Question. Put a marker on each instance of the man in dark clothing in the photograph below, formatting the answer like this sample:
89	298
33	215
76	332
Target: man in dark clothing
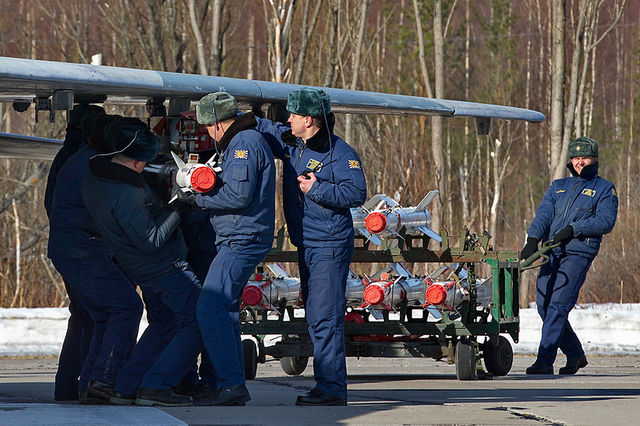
576	211
145	239
75	347
322	180
78	253
242	212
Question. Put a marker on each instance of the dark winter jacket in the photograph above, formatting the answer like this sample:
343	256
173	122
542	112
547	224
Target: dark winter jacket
72	144
243	206
142	233
587	202
322	217
73	234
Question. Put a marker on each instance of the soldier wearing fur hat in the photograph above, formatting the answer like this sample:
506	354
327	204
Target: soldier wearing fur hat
575	213
242	211
145	238
323	179
75	347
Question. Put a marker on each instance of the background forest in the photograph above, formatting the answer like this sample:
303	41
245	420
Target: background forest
576	61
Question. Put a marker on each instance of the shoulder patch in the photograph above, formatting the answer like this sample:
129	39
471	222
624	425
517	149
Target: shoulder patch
240	154
614	192
589	192
354	164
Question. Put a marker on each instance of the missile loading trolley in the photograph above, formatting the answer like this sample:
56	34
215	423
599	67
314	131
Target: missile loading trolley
461	321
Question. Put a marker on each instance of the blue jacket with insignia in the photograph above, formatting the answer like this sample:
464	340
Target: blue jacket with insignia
243	206
322	217
587	202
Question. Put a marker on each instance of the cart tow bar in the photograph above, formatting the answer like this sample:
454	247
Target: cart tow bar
546	246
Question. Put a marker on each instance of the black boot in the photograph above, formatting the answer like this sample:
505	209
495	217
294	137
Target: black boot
573	365
119	398
317	397
100	390
162	398
233	395
540	368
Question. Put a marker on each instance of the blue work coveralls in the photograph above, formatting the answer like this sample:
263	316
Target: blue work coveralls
144	236
79	254
321	227
242	212
589	204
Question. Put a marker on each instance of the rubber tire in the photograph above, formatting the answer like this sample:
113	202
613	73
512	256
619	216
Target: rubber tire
294	365
465	360
250	357
498	359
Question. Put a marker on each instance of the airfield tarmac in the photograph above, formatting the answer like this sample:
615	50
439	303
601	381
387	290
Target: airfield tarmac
382	391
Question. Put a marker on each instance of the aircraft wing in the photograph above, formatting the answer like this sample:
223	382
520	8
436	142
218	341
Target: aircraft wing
19	146
27	79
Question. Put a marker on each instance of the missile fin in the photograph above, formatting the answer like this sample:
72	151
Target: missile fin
430	233
399	269
178	161
426	201
278	270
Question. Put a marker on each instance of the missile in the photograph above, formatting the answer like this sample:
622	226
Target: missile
382	217
385	293
449	295
264	294
194	176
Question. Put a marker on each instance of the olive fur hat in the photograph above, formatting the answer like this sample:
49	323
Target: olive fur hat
309	102
215	107
137	143
583	147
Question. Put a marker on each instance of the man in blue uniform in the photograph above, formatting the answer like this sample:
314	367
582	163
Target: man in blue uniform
323	179
144	236
75	347
79	254
576	211
242	210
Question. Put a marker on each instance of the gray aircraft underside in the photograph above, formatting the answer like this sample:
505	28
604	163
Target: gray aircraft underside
24	81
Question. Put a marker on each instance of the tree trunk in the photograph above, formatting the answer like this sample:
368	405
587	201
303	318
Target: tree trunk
197	34
556	121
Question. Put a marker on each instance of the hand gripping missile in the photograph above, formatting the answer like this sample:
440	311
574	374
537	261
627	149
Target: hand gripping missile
193	177
381	217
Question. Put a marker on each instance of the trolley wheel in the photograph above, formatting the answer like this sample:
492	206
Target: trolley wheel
498	359
294	365
250	359
465	360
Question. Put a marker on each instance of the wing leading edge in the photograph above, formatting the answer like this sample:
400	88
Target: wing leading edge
26	79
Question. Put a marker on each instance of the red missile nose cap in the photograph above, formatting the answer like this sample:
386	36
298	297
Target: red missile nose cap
375	222
252	295
374	295
203	179
436	294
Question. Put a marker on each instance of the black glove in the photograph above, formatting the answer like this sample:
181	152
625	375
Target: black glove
182	201
529	248
563	234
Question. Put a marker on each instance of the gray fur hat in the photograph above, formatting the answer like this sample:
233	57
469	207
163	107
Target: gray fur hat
309	101
216	107
583	147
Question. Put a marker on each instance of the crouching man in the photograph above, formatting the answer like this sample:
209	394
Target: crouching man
145	238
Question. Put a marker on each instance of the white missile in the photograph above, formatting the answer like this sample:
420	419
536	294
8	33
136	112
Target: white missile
194	177
265	294
382	217
449	295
